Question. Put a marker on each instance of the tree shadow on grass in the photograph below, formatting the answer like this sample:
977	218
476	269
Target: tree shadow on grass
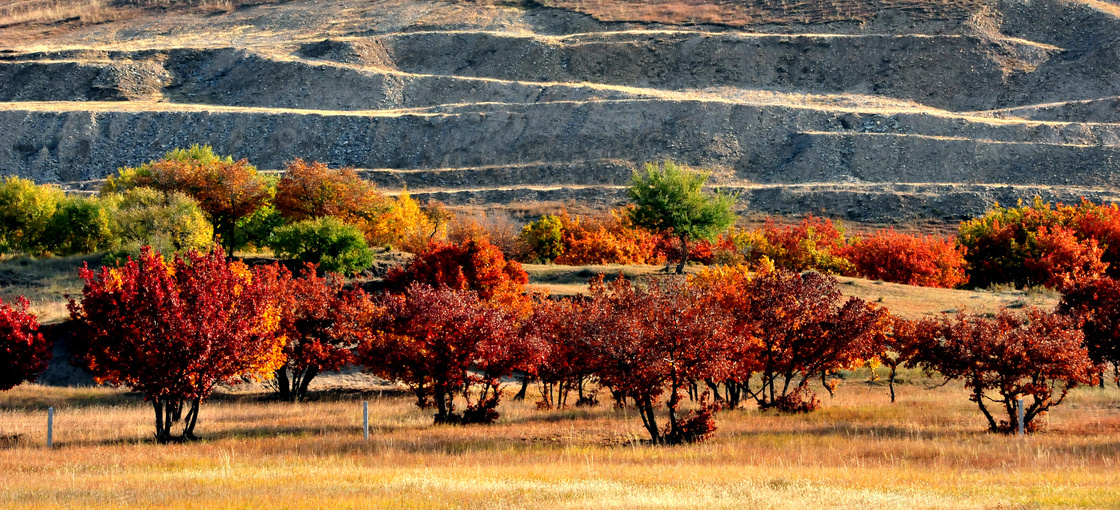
860	431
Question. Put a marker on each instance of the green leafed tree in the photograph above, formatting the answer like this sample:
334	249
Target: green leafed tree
670	198
335	246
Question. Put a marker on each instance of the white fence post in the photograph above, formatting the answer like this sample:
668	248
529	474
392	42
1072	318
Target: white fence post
1019	405
50	427
365	419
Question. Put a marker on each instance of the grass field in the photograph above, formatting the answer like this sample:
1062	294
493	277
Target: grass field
929	450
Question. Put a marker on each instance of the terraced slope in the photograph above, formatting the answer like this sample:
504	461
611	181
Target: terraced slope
901	114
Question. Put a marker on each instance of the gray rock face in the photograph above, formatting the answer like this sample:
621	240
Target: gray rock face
478	105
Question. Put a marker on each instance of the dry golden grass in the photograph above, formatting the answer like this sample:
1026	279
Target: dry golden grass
926	451
45	282
903	300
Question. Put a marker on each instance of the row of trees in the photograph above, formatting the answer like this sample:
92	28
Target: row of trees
457	322
332	216
192	197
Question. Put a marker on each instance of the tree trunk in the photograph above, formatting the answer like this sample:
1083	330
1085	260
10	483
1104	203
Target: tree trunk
645	409
978	397
192	419
309	373
684	255
890	381
734	394
283	385
524	388
163	425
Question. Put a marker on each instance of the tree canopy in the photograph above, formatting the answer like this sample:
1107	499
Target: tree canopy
670	197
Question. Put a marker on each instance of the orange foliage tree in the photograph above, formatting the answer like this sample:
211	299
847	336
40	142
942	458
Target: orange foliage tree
175	329
321	322
1059	258
313	190
474	265
441	342
23	351
612	239
1037	356
1042	244
814	243
928	261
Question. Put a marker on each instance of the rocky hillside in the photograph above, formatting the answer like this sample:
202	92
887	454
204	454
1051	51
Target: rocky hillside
898	109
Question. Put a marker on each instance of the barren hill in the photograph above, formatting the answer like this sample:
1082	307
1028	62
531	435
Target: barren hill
874	110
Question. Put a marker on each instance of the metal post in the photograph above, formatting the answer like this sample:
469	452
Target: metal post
365	419
50	427
1019	405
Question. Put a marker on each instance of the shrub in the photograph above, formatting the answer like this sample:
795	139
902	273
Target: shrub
328	242
544	239
813	244
610	239
81	225
25	353
1037	356
928	261
256	230
473	265
26	210
174	329
168	222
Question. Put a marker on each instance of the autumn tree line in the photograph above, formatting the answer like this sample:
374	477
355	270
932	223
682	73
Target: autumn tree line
763	324
458	327
332	217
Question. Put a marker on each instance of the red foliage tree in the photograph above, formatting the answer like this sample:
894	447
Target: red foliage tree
566	362
657	339
1096	305
901	344
443	341
321	322
928	261
474	265
1037	356
24	353
175	329
792	328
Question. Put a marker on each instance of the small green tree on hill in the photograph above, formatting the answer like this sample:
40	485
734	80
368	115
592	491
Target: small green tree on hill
670	198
